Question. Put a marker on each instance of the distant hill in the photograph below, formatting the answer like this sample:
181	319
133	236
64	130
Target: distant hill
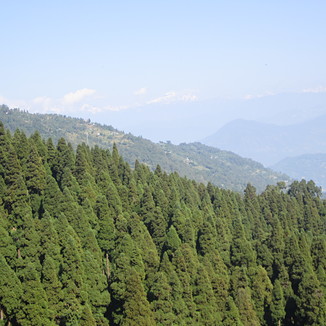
268	143
309	166
196	161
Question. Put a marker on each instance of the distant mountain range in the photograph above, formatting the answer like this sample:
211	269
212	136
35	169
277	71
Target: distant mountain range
189	121
268	143
308	166
195	161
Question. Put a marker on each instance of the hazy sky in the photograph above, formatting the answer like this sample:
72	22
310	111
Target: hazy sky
119	60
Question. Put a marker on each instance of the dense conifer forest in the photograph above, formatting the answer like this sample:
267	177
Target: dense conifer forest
87	240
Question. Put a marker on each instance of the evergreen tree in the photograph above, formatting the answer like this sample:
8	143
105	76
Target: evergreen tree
87	318
232	316
51	153
136	308
172	241
261	292
247	312
277	304
52	287
161	300
7	246
96	284
41	147
35	179
310	301
53	198
106	232
204	299
21	146
157	226
64	158
73	281
180	309
241	249
10	292
145	243
35	309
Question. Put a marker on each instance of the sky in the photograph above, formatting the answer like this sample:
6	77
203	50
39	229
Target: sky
163	69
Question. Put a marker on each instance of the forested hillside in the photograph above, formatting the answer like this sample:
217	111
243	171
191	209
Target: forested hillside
196	161
86	240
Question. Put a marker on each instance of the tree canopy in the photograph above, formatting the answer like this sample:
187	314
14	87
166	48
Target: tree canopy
85	239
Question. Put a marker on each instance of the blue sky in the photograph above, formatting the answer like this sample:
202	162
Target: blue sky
121	61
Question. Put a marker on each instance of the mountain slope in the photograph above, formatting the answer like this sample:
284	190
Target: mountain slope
196	161
309	166
269	143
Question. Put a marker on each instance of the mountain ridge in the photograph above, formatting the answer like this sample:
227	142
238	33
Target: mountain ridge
270	143
196	161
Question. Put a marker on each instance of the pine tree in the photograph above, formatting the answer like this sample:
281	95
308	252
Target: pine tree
241	249
277	304
21	146
232	316
51	153
157	226
87	318
311	301
40	145
186	266
113	165
145	243
96	283
35	179
73	281
52	202
206	242
106	232
219	279
172	242
10	292
136	308
246	309
7	246
52	287
180	309
261	291
17	194
161	300
204	299
64	158
35	309
4	149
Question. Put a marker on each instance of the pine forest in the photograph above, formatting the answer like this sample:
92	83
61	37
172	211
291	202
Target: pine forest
86	239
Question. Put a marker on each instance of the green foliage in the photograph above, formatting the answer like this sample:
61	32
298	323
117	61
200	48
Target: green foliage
136	308
86	240
35	308
248	314
161	297
87	318
277	304
311	301
10	290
